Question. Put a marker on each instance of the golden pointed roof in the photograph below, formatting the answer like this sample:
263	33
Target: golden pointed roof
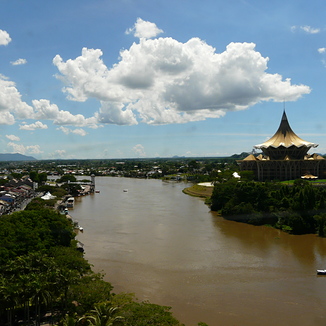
285	137
250	157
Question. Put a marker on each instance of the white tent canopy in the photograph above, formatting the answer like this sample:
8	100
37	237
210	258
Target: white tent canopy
48	196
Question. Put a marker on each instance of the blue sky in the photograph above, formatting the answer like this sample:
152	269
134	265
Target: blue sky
123	78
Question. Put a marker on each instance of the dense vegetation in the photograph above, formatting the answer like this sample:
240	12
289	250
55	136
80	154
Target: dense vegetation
43	274
298	208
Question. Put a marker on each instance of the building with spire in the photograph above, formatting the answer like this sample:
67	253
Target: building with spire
285	157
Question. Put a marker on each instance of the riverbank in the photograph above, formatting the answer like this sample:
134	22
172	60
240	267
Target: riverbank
199	191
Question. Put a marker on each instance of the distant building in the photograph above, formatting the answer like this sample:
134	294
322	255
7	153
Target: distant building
285	157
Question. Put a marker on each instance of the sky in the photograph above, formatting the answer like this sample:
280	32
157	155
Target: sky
101	79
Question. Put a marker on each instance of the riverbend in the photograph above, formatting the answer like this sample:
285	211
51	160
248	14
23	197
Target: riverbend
170	249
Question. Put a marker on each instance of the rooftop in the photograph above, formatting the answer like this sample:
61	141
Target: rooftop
285	137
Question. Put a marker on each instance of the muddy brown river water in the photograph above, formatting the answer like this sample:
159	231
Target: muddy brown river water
168	248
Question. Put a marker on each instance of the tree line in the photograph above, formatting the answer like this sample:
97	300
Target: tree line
297	208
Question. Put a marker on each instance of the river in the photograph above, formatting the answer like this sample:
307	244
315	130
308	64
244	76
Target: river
170	249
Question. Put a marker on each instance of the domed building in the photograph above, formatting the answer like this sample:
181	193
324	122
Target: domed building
285	157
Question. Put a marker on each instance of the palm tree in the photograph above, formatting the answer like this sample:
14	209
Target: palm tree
9	299
104	315
64	278
24	281
41	295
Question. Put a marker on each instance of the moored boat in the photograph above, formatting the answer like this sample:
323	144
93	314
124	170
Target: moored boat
321	271
70	202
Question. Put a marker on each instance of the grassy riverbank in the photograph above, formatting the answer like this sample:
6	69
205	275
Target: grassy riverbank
199	191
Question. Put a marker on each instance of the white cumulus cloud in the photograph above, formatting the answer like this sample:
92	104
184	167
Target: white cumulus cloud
144	29
12	107
79	131
160	81
4	37
44	110
155	81
19	62
310	30
115	113
34	149
19	148
33	126
322	50
67	131
11	104
139	150
6	118
13	137
307	29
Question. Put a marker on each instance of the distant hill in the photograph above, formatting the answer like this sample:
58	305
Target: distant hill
240	156
16	157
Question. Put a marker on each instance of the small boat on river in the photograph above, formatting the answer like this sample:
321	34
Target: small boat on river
70	202
321	271
80	246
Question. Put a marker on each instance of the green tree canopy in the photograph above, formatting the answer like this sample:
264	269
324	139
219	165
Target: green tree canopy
291	208
67	178
33	230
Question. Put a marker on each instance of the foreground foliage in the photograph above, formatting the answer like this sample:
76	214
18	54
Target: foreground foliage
299	208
